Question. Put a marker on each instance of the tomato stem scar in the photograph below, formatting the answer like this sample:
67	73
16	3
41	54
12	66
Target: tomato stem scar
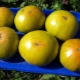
65	17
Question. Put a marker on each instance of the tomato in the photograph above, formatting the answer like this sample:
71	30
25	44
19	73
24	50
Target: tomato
38	47
29	18
70	54
8	42
62	24
6	17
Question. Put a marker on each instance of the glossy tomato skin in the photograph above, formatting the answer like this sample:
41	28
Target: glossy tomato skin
29	18
8	42
38	47
70	54
62	24
6	17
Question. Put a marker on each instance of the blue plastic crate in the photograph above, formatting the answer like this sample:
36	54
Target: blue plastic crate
17	63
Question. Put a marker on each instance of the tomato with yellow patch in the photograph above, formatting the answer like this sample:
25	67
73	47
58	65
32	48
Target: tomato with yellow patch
6	17
29	18
70	54
8	42
38	47
62	24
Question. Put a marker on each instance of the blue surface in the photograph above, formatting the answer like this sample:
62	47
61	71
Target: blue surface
17	63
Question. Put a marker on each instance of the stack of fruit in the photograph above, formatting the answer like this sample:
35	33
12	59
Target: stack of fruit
40	44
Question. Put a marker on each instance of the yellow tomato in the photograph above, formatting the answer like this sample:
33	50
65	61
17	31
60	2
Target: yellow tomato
70	54
6	17
62	24
38	47
8	42
29	18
